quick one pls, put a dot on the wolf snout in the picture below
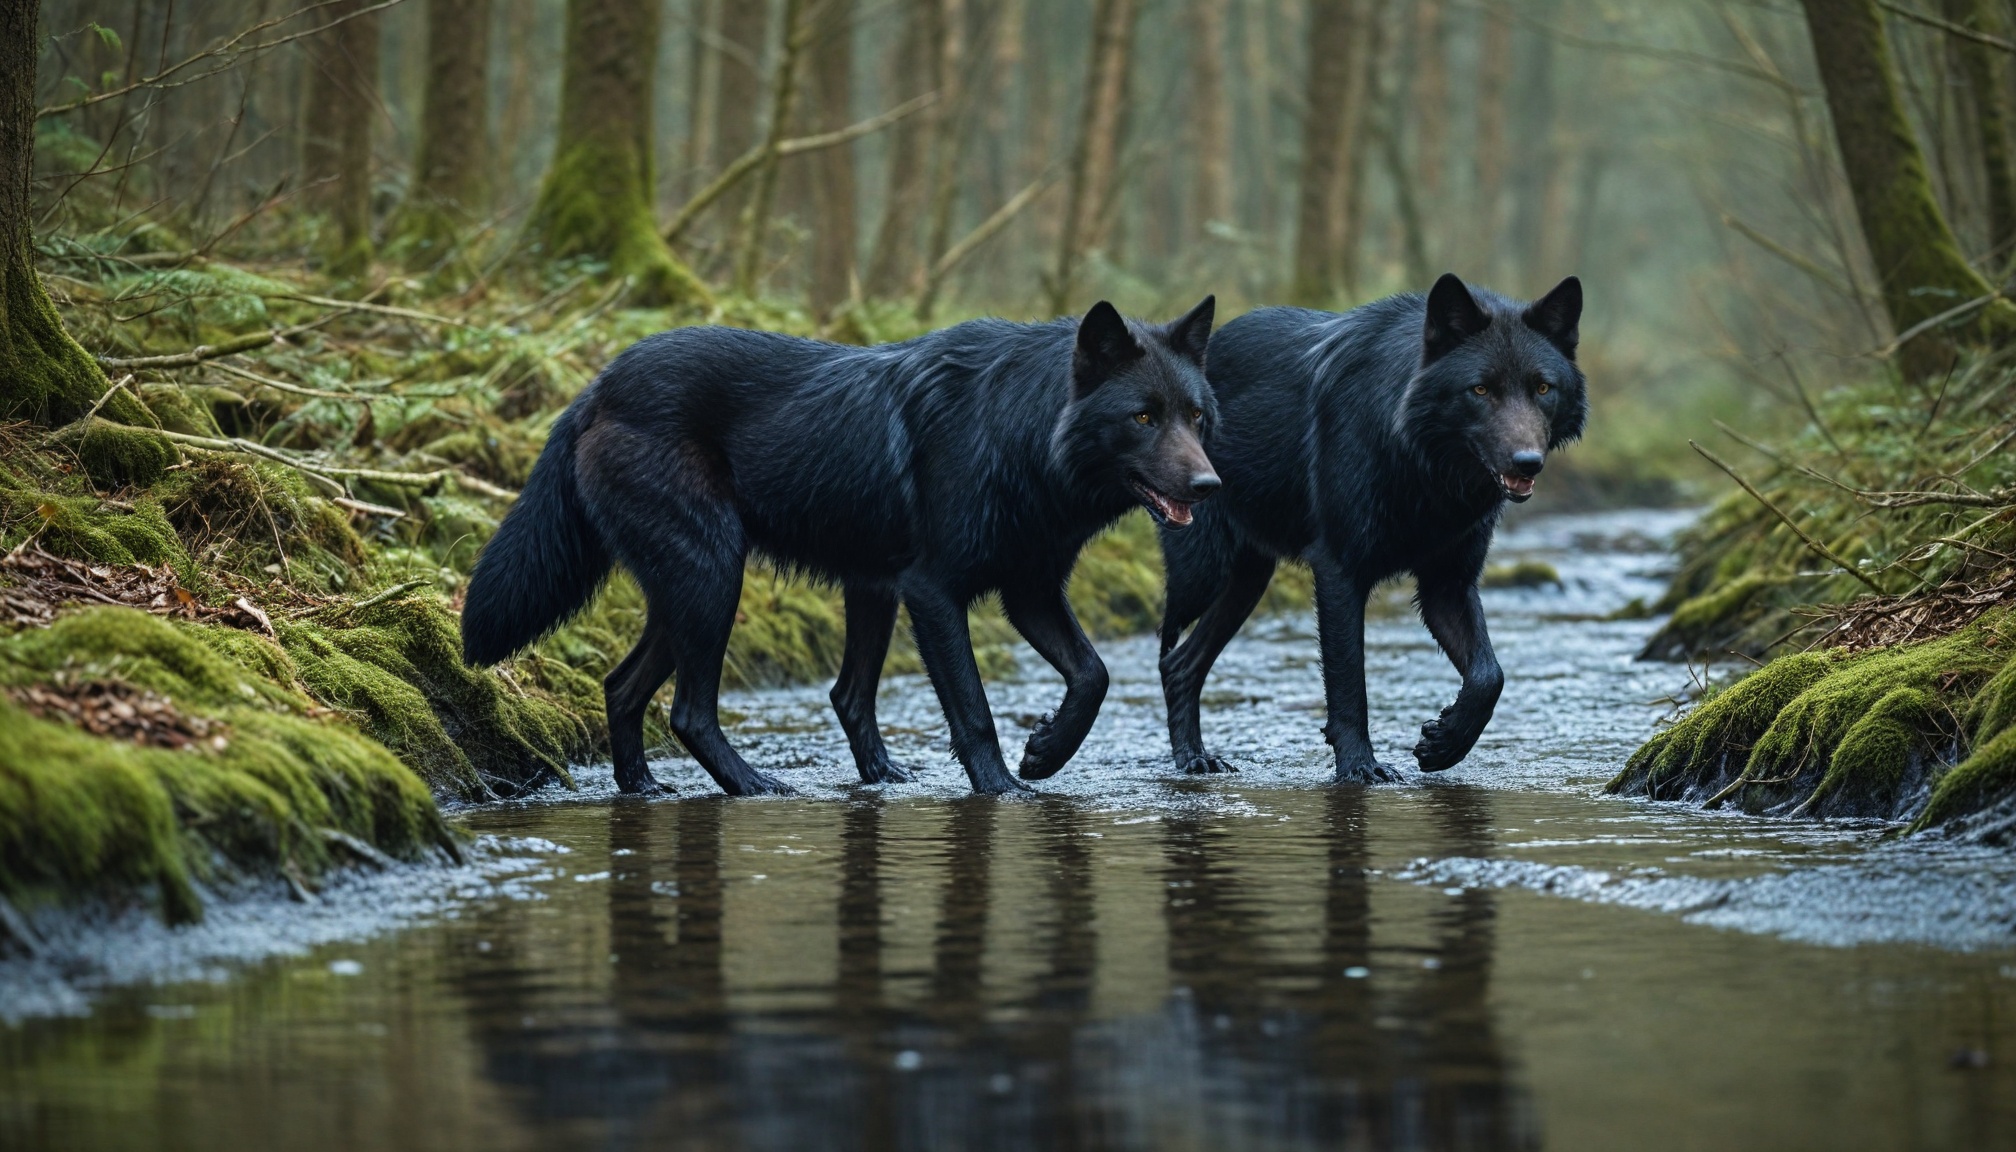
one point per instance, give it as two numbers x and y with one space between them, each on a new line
1528 464
1204 484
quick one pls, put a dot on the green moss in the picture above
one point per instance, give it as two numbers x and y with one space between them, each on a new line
595 203
45 376
184 409
116 455
1983 778
1699 751
1521 574
398 667
1827 735
83 815
1116 589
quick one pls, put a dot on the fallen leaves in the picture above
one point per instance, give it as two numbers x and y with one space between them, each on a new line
121 711
35 584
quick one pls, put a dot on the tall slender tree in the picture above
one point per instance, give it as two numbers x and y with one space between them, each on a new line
1210 115
342 103
894 263
1494 75
451 168
1983 68
595 200
1095 157
1919 269
1326 90
834 207
1429 99
741 94
44 374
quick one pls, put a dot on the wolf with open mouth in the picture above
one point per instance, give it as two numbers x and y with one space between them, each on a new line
1379 441
975 459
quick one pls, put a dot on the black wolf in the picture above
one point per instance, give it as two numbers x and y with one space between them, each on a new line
1383 440
975 459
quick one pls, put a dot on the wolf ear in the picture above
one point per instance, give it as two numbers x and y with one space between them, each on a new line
1453 317
1105 346
1189 335
1558 314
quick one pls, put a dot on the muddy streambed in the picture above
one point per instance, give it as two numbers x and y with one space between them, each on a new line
1497 957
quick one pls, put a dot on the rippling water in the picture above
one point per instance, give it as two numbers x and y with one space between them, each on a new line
1500 957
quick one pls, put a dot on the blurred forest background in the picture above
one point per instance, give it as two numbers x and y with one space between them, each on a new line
874 165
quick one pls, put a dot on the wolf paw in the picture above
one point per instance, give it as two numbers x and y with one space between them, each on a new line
1444 742
642 783
1369 772
1039 760
1204 764
882 770
1001 785
761 784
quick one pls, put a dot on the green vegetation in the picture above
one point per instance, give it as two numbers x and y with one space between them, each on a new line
1883 607
341 484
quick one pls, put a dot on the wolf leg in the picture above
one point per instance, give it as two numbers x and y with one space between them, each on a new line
939 621
1185 666
1044 618
706 594
871 618
627 692
1455 616
1340 624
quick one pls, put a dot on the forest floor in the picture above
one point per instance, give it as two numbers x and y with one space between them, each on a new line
1866 569
228 640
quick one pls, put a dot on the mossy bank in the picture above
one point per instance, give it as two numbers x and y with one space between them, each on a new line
230 652
1866 566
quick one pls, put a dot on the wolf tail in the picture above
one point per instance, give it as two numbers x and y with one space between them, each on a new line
544 563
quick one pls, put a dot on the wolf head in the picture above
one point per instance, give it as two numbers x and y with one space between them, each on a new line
1139 410
1497 387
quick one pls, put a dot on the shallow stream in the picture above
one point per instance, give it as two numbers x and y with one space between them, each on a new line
1499 957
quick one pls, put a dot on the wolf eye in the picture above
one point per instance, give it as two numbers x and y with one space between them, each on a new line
1143 418
1481 390
1196 414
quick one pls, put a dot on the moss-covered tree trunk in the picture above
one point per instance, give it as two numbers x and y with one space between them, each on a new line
595 200
1919 268
1095 158
342 102
451 169
1982 67
44 374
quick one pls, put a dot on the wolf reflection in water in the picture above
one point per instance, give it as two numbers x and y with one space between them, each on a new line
1251 1046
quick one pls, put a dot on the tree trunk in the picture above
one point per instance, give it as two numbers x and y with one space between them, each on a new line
835 231
452 167
741 93
44 374
595 200
1332 32
1919 268
1354 121
949 140
894 262
1095 159
1494 74
755 229
703 84
1430 96
1982 67
1210 117
514 123
342 100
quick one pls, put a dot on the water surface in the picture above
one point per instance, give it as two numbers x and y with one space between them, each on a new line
1500 957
